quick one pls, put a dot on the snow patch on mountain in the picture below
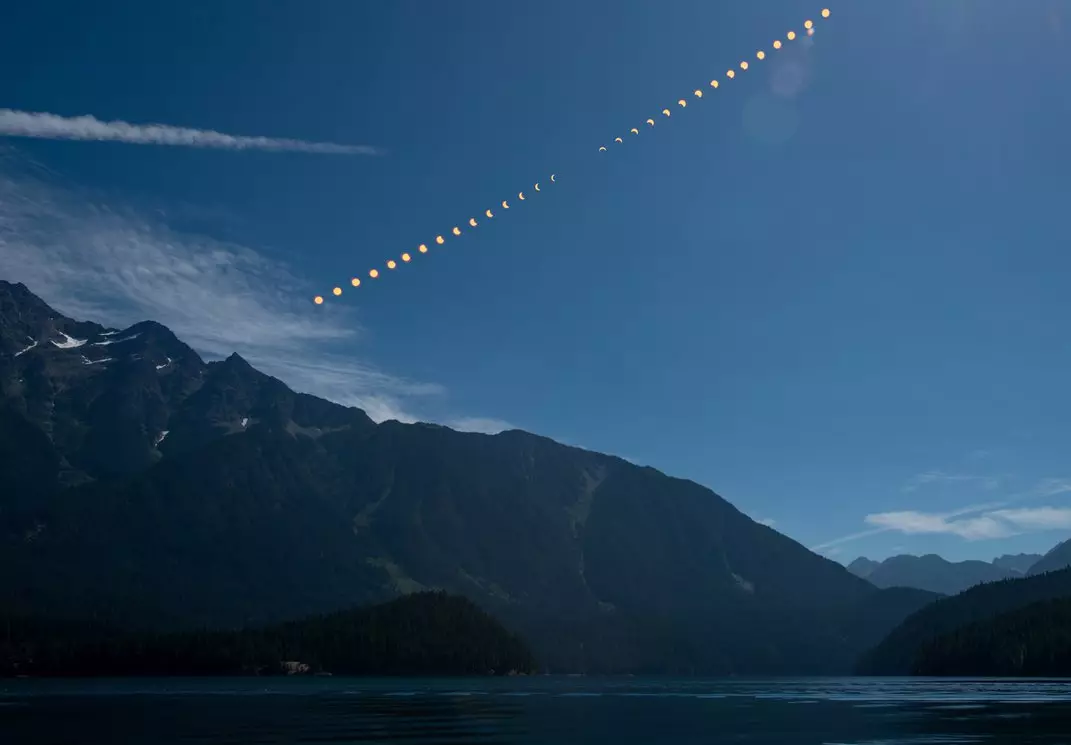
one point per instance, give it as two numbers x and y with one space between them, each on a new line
27 349
69 342
106 342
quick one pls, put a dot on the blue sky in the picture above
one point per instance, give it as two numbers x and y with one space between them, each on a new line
834 291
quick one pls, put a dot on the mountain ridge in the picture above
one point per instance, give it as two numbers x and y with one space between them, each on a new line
936 574
211 494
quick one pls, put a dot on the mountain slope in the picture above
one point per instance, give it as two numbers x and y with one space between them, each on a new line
1034 641
211 494
1059 557
930 572
896 654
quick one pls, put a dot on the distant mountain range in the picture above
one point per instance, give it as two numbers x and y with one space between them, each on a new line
935 574
143 487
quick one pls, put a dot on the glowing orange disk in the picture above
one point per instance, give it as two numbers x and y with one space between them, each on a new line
761 55
698 93
423 249
440 240
730 73
714 83
743 65
682 103
337 291
825 12
374 273
391 264
318 300
777 44
406 257
791 35
808 24
355 282
456 231
665 111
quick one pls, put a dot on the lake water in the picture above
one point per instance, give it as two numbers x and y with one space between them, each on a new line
611 711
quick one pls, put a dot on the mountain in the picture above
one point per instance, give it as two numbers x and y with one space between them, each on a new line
156 491
898 652
1059 557
863 567
1018 563
420 634
1034 641
930 572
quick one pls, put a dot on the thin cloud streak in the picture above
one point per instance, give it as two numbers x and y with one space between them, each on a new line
940 477
47 126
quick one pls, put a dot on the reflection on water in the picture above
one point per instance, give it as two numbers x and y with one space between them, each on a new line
848 711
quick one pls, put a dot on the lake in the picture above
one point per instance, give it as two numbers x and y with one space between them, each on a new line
826 711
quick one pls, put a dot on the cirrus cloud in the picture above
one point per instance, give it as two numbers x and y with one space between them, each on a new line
42 125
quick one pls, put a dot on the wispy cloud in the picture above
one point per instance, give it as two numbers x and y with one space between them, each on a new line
1037 518
912 522
54 127
769 522
973 522
484 425
928 478
112 265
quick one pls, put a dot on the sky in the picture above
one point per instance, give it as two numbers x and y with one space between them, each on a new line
833 290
